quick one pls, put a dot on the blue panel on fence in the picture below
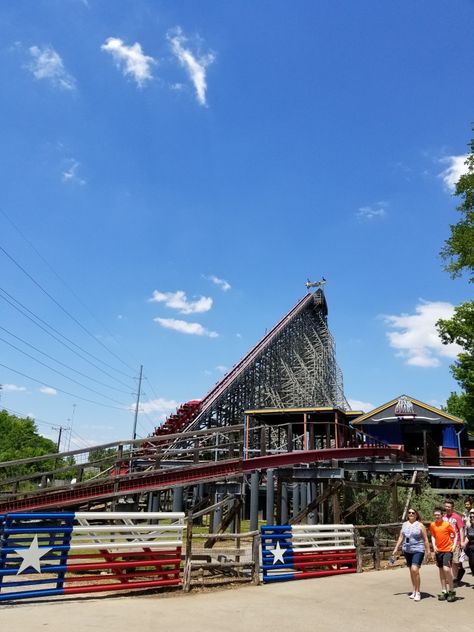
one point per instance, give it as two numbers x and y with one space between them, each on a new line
33 544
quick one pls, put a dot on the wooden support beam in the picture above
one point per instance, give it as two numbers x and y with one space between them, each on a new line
330 489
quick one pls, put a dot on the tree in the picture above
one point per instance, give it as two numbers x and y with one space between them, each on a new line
458 254
20 440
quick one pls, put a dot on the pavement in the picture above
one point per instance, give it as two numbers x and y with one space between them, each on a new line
356 602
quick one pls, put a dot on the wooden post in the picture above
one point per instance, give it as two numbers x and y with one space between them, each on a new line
358 545
377 548
256 559
336 429
312 444
328 435
188 554
305 431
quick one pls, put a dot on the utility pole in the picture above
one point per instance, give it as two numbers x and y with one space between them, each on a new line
58 445
134 436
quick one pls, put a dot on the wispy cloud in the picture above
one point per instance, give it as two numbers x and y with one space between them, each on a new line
11 388
179 301
220 368
455 169
47 64
415 337
70 174
194 66
356 404
48 390
222 283
131 60
372 212
193 329
160 405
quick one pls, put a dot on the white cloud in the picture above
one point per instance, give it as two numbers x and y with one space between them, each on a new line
194 329
415 337
356 404
374 211
130 59
221 368
11 388
455 169
194 66
179 301
47 64
70 174
159 405
222 283
48 390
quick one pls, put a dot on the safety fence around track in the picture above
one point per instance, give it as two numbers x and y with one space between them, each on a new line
65 553
302 551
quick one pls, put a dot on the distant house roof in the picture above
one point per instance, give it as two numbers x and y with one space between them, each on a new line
406 408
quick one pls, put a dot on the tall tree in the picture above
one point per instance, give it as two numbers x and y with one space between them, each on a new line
458 254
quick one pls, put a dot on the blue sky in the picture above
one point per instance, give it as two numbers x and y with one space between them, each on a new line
172 172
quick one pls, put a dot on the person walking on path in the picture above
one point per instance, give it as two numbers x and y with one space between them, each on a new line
444 541
468 543
457 522
415 545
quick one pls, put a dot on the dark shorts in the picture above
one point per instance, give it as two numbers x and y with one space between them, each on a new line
414 559
443 559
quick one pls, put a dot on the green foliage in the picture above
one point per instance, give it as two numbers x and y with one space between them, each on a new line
459 248
459 256
104 457
19 439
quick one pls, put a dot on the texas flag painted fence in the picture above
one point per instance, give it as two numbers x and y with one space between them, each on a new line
46 554
302 551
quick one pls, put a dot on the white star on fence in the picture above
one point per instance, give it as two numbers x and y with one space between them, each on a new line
31 556
278 554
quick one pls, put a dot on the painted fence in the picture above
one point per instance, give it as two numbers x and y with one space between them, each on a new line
47 554
301 551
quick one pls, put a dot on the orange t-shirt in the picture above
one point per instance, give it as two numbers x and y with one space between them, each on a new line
443 535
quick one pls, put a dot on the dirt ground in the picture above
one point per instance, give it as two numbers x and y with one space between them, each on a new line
358 602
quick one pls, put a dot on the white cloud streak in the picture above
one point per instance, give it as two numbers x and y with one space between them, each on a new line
372 212
160 405
11 388
182 326
71 173
131 60
48 390
194 66
356 404
415 337
222 283
179 301
47 64
455 169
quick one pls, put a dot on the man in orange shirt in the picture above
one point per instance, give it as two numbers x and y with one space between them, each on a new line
444 541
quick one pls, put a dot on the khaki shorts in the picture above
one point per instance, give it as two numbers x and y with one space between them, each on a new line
456 554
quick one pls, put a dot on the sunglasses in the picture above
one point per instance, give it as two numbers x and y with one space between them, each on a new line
412 512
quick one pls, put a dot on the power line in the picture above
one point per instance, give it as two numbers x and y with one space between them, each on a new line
63 309
71 379
28 344
46 262
60 390
11 300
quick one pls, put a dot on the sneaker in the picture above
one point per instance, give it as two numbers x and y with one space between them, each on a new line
412 596
417 597
451 596
442 596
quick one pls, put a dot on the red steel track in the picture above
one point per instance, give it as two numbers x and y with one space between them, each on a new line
176 477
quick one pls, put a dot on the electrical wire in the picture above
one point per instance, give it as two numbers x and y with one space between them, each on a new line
60 390
66 285
63 309
71 379
28 344
35 316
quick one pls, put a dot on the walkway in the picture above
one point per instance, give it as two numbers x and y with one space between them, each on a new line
356 603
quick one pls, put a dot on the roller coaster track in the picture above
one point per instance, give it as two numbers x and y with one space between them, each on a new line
175 477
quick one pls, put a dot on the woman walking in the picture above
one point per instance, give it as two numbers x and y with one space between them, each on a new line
468 543
414 541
